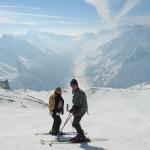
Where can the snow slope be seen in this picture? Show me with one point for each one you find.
(28, 67)
(110, 58)
(118, 118)
(121, 61)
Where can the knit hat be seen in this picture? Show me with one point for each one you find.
(74, 82)
(56, 90)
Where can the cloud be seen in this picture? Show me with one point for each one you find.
(102, 8)
(31, 21)
(6, 20)
(43, 16)
(23, 7)
(142, 20)
(30, 18)
(130, 4)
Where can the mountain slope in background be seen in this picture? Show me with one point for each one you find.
(122, 62)
(117, 58)
(45, 40)
(26, 66)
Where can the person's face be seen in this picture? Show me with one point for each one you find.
(74, 87)
(59, 91)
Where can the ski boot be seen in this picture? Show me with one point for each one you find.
(80, 138)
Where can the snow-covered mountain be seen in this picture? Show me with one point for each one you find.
(48, 41)
(117, 58)
(118, 119)
(121, 61)
(27, 66)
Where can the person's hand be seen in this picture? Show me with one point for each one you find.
(58, 114)
(74, 110)
(51, 113)
(71, 110)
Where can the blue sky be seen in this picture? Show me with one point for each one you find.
(71, 17)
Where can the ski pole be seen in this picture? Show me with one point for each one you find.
(68, 118)
(67, 107)
(71, 124)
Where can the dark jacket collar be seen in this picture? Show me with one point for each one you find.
(74, 91)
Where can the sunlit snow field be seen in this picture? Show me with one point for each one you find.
(118, 119)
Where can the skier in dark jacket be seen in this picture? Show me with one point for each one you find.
(56, 107)
(78, 109)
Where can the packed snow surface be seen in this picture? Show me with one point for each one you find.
(118, 119)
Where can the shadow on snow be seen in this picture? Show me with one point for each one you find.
(86, 146)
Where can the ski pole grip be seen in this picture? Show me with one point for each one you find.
(67, 107)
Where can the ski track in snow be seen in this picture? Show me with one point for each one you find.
(120, 116)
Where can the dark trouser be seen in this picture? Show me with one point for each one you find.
(76, 123)
(56, 123)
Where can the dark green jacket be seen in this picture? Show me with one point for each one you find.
(80, 100)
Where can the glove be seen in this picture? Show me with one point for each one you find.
(58, 114)
(71, 110)
(75, 110)
(51, 113)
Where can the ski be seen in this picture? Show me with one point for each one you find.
(67, 140)
(62, 141)
(64, 133)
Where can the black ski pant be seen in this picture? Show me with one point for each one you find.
(76, 123)
(56, 123)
